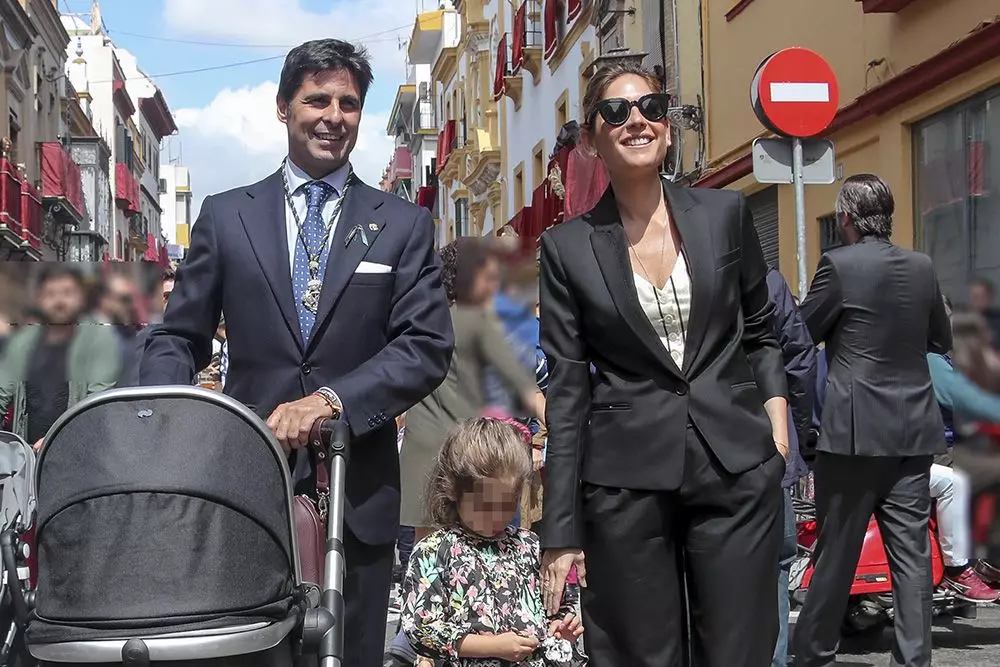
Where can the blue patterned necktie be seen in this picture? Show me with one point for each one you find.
(313, 228)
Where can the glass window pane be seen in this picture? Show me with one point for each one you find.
(941, 196)
(984, 187)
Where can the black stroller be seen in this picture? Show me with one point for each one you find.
(17, 516)
(165, 535)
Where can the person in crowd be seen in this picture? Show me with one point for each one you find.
(799, 353)
(47, 369)
(133, 353)
(878, 308)
(334, 297)
(666, 408)
(470, 277)
(982, 300)
(472, 594)
(116, 307)
(973, 350)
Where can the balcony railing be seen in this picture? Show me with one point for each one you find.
(424, 117)
(10, 197)
(61, 177)
(32, 215)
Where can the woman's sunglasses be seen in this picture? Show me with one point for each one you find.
(616, 110)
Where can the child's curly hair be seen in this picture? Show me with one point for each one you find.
(482, 448)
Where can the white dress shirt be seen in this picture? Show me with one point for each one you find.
(296, 179)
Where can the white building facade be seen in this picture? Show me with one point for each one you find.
(175, 204)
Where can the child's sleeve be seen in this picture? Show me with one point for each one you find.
(430, 617)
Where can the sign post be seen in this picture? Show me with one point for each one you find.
(794, 94)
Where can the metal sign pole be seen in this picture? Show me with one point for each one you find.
(800, 215)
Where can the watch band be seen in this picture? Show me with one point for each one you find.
(331, 398)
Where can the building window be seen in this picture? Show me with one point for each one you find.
(538, 163)
(956, 200)
(562, 110)
(829, 235)
(518, 187)
(461, 217)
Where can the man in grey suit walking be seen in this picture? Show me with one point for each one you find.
(879, 310)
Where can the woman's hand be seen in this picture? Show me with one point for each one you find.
(569, 628)
(556, 564)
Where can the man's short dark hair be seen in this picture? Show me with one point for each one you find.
(58, 271)
(985, 283)
(320, 55)
(867, 202)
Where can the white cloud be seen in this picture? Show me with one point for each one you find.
(378, 24)
(237, 139)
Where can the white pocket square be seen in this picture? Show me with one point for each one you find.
(373, 267)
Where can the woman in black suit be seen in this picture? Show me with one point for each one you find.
(667, 410)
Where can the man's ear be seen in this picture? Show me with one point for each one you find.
(282, 109)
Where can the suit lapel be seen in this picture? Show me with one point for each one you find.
(357, 222)
(611, 250)
(263, 218)
(695, 230)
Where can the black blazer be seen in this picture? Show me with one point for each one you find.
(382, 341)
(879, 309)
(624, 424)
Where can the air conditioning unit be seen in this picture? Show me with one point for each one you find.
(424, 92)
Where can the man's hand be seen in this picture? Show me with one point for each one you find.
(556, 564)
(291, 422)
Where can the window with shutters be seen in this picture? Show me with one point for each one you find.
(829, 236)
(764, 207)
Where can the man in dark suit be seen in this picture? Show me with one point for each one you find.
(334, 307)
(879, 310)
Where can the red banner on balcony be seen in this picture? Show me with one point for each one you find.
(426, 196)
(32, 215)
(518, 37)
(445, 138)
(585, 181)
(10, 196)
(151, 254)
(126, 189)
(61, 177)
(573, 10)
(164, 261)
(499, 83)
(550, 25)
(402, 164)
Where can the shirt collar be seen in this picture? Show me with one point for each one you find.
(297, 178)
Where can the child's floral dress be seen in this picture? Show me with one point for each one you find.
(461, 584)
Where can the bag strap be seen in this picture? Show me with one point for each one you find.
(318, 454)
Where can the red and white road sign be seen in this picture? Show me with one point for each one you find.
(795, 93)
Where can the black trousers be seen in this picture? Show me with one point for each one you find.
(367, 581)
(708, 551)
(849, 489)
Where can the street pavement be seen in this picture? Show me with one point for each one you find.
(965, 643)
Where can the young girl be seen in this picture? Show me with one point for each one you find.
(472, 594)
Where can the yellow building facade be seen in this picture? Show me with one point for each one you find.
(919, 106)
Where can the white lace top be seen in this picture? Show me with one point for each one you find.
(668, 309)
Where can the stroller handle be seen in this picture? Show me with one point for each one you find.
(331, 438)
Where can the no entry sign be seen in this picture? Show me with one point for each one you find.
(794, 93)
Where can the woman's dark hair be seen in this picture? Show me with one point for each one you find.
(598, 84)
(462, 260)
(476, 449)
(320, 55)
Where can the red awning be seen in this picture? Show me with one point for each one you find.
(518, 37)
(499, 82)
(573, 10)
(550, 24)
(585, 180)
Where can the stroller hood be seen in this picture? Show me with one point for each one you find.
(161, 509)
(17, 479)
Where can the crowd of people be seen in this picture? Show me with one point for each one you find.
(593, 456)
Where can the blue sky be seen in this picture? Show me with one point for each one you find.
(228, 134)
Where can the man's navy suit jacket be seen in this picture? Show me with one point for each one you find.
(382, 341)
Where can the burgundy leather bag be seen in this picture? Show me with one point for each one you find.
(310, 515)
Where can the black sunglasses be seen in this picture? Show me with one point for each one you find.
(616, 110)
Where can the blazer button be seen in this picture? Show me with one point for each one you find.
(306, 369)
(371, 421)
(681, 391)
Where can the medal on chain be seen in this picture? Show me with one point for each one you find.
(314, 286)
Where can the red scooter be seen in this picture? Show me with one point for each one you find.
(871, 602)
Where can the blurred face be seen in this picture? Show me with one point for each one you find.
(622, 132)
(61, 300)
(489, 508)
(168, 287)
(117, 301)
(979, 298)
(487, 281)
(322, 120)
